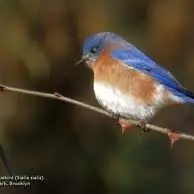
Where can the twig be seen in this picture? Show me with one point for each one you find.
(5, 161)
(57, 96)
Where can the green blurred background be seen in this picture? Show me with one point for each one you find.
(76, 150)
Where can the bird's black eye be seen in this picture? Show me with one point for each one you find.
(93, 50)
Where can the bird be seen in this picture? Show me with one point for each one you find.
(128, 83)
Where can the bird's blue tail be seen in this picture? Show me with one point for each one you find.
(184, 94)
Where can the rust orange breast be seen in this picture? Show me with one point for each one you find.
(128, 80)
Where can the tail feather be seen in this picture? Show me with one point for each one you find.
(184, 94)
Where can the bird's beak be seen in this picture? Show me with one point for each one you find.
(83, 59)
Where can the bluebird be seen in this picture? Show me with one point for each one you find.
(127, 83)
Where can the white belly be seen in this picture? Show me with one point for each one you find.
(121, 104)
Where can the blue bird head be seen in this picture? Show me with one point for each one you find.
(95, 44)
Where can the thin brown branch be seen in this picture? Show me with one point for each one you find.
(57, 96)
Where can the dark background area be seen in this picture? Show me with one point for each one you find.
(76, 150)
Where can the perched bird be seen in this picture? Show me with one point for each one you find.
(127, 83)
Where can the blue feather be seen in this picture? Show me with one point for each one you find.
(132, 57)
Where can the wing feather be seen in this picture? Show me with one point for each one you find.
(134, 58)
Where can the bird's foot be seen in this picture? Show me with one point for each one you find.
(142, 124)
(115, 117)
(123, 123)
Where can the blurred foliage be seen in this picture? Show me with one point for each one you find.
(79, 151)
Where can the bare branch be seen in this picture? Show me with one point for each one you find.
(57, 96)
(5, 161)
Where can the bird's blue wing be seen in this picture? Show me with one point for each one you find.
(134, 58)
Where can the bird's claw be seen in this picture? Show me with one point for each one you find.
(115, 117)
(142, 125)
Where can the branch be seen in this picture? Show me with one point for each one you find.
(173, 135)
(5, 161)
